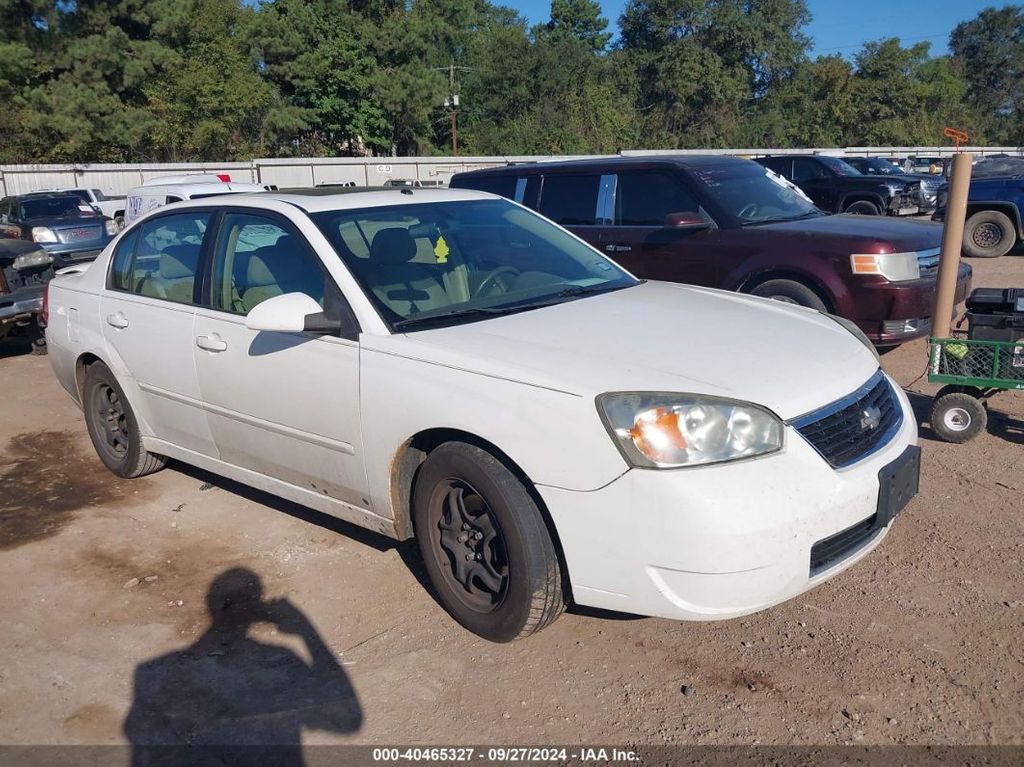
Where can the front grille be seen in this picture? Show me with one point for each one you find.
(851, 428)
(80, 234)
(829, 551)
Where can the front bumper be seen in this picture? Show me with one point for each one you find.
(720, 541)
(68, 255)
(892, 313)
(20, 304)
(904, 205)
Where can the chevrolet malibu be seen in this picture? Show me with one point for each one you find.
(450, 366)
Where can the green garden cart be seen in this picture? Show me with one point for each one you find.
(973, 371)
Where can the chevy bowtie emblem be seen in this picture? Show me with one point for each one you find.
(870, 418)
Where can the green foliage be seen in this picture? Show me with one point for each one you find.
(122, 80)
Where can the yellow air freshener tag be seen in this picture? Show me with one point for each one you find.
(441, 251)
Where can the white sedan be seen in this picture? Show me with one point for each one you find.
(451, 366)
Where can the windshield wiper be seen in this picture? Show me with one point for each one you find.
(460, 314)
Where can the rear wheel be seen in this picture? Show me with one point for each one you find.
(790, 292)
(989, 234)
(113, 429)
(37, 338)
(485, 545)
(863, 208)
(958, 416)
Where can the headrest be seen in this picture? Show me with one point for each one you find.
(257, 273)
(173, 268)
(392, 246)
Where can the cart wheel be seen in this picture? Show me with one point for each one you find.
(958, 416)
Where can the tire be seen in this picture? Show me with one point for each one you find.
(513, 587)
(37, 340)
(863, 208)
(957, 416)
(113, 428)
(989, 234)
(790, 292)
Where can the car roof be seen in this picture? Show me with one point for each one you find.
(43, 195)
(316, 200)
(688, 161)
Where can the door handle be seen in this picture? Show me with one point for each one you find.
(618, 248)
(118, 321)
(212, 343)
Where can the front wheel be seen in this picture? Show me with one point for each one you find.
(112, 426)
(958, 416)
(863, 208)
(790, 292)
(485, 545)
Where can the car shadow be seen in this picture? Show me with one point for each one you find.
(230, 699)
(14, 347)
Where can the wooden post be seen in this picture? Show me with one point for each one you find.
(952, 244)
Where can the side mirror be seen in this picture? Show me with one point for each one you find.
(290, 313)
(689, 220)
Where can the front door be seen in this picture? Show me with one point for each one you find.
(639, 240)
(147, 316)
(285, 405)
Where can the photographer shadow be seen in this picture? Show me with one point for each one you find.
(229, 699)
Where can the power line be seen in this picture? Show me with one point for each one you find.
(898, 37)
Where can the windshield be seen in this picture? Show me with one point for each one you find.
(879, 167)
(52, 207)
(753, 194)
(840, 167)
(436, 264)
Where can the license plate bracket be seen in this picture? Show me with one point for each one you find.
(898, 482)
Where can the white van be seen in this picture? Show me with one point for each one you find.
(164, 190)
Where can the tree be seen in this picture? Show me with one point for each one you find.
(580, 20)
(990, 48)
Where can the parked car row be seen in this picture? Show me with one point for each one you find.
(450, 366)
(727, 223)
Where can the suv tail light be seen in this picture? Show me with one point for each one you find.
(44, 313)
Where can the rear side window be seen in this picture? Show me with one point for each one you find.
(570, 200)
(646, 198)
(159, 259)
(781, 165)
(503, 185)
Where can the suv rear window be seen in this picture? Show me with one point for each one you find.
(570, 200)
(503, 185)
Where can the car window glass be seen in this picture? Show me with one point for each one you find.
(646, 198)
(121, 268)
(258, 258)
(570, 200)
(52, 207)
(503, 185)
(807, 170)
(171, 198)
(167, 256)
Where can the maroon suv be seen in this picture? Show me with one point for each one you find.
(729, 223)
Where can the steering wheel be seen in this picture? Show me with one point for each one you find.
(750, 210)
(491, 280)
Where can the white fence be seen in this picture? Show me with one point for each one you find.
(117, 179)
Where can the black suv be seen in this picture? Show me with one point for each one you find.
(878, 166)
(25, 268)
(837, 187)
(70, 230)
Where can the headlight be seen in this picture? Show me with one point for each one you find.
(895, 267)
(857, 333)
(43, 234)
(111, 227)
(655, 430)
(29, 260)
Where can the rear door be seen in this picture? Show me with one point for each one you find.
(147, 315)
(571, 199)
(817, 181)
(285, 405)
(639, 241)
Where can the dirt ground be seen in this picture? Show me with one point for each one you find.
(106, 629)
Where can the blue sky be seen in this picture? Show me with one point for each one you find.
(841, 26)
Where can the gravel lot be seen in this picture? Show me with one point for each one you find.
(104, 613)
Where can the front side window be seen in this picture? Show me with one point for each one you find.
(750, 194)
(808, 170)
(570, 200)
(257, 258)
(165, 257)
(424, 265)
(646, 198)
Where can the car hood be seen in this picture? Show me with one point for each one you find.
(902, 234)
(660, 337)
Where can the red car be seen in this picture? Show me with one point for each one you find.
(729, 223)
